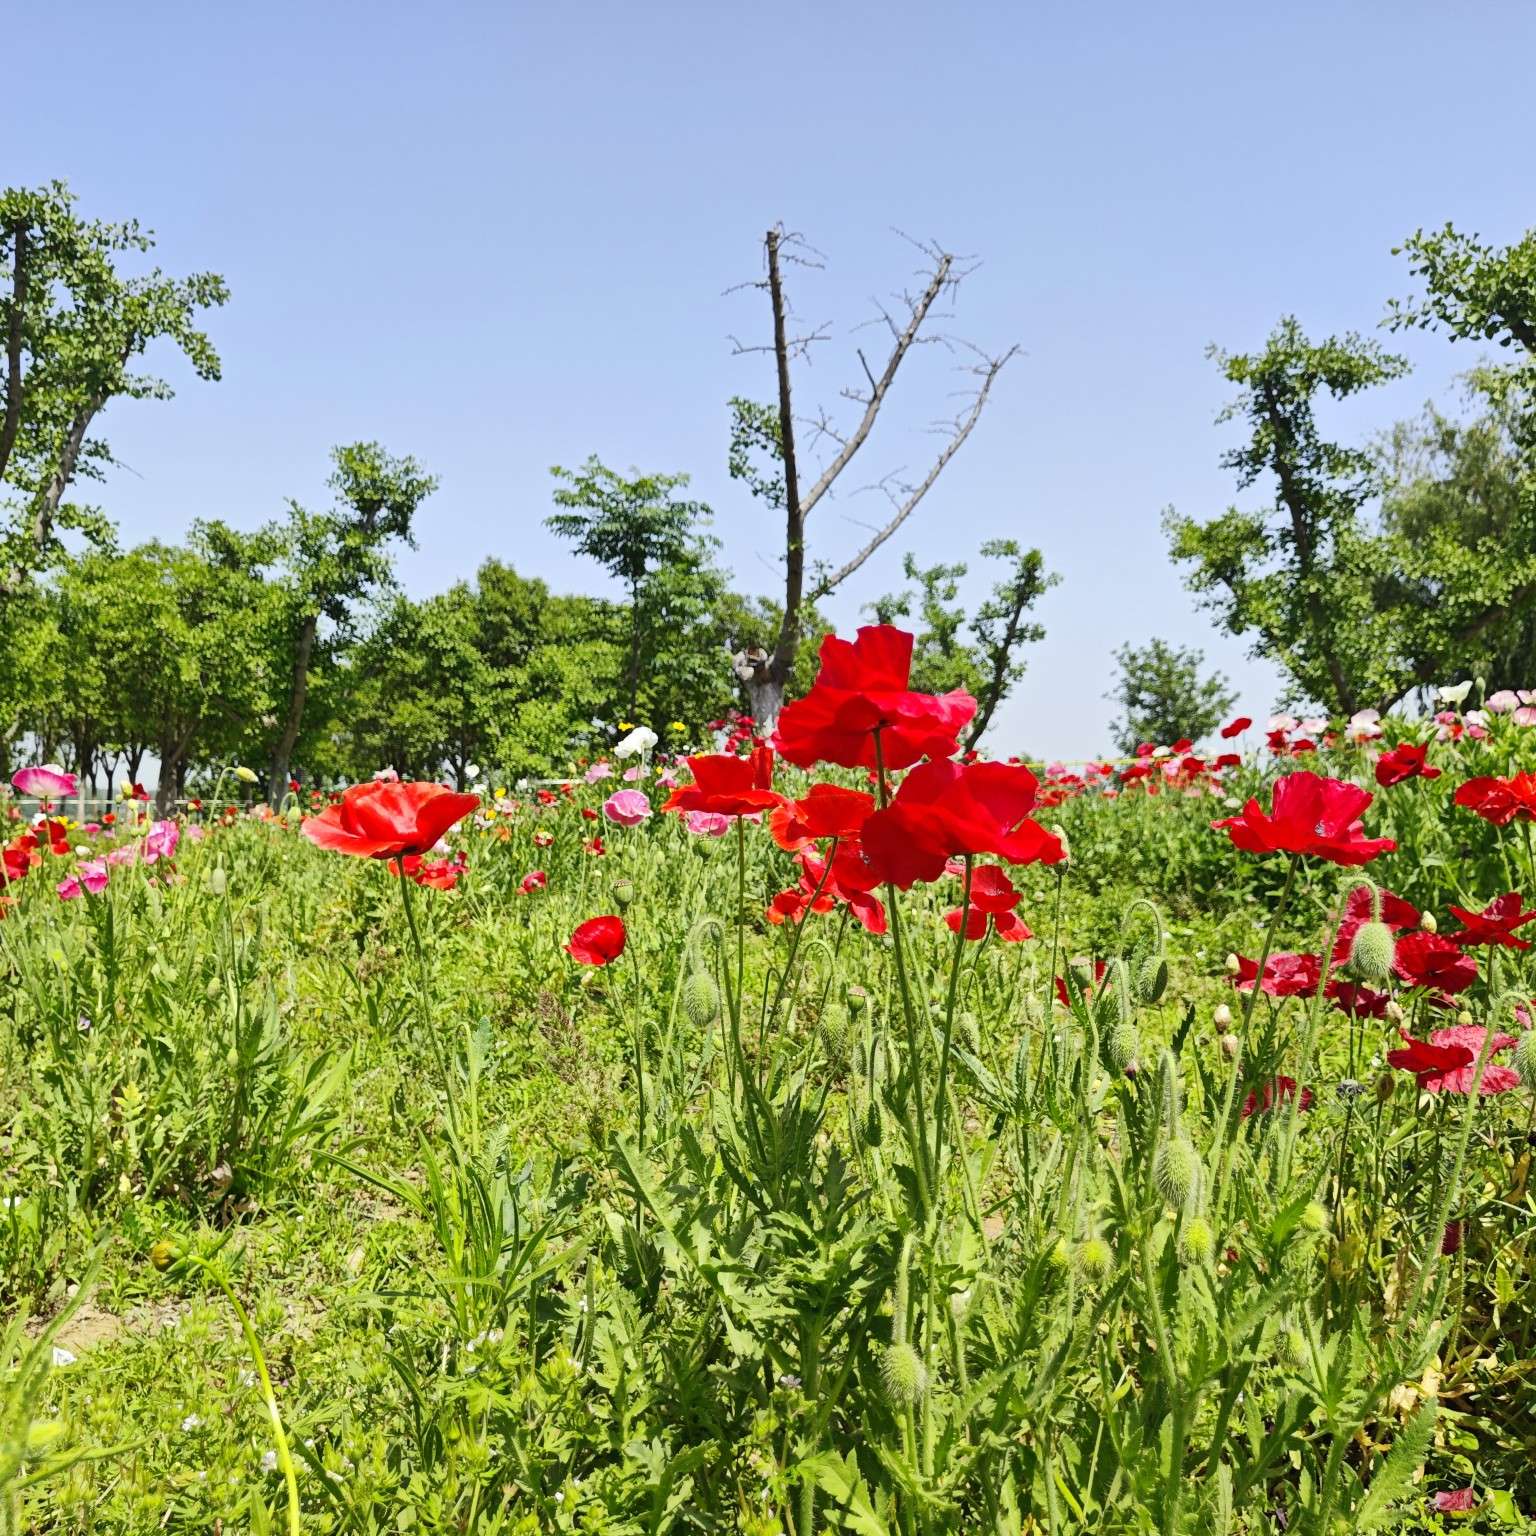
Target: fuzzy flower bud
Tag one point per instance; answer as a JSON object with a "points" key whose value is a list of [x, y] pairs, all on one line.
{"points": [[1231, 1047], [1428, 923], [1371, 955], [165, 1253], [700, 1000], [1196, 1243], [1152, 979], [1176, 1171], [1234, 966], [245, 775], [1525, 1059], [903, 1375], [1314, 1219], [1095, 1258], [1222, 1017]]}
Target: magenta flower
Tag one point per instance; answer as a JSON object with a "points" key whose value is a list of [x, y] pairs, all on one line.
{"points": [[91, 876], [627, 807], [45, 780], [707, 823]]}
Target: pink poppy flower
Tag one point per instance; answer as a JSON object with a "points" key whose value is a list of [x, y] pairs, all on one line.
{"points": [[598, 772], [91, 876], [627, 807], [45, 780], [160, 841], [128, 853], [386, 776], [707, 823], [634, 775]]}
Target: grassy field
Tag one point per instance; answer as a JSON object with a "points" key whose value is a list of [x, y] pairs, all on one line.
{"points": [[755, 1228]]}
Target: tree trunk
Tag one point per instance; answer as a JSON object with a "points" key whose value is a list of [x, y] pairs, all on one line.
{"points": [[282, 754]]}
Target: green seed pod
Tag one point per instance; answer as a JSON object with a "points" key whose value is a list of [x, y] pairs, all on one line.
{"points": [[1095, 1259], [1371, 955], [903, 1375], [700, 1000], [1196, 1242], [858, 1000], [1314, 1219], [1525, 1059], [623, 892], [1152, 979], [1176, 1171]]}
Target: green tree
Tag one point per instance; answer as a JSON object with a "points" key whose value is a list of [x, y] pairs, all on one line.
{"points": [[334, 562], [1302, 577], [1165, 696], [636, 529], [989, 663], [72, 328]]}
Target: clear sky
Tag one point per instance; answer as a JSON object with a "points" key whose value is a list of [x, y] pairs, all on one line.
{"points": [[500, 237]]}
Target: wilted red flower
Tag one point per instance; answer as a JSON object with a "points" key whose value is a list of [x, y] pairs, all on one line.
{"points": [[942, 809], [1453, 1500], [598, 941], [860, 689], [1396, 913], [1495, 924], [1404, 761], [384, 821], [1500, 801], [1447, 1062], [727, 785], [1276, 1091], [1088, 987], [1312, 815], [534, 880], [1431, 960], [1450, 1239], [1285, 975], [827, 810], [543, 839], [1008, 926]]}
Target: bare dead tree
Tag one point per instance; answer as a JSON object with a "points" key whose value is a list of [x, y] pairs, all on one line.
{"points": [[910, 322]]}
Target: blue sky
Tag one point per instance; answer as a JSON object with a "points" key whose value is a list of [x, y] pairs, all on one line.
{"points": [[500, 237]]}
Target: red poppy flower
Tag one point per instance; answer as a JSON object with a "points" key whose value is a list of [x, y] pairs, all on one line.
{"points": [[1182, 745], [543, 839], [1432, 960], [1311, 815], [860, 689], [1276, 1091], [1229, 760], [595, 847], [1284, 975], [1235, 727], [1447, 1062], [534, 880], [435, 874], [1358, 1002], [588, 814], [819, 890], [1088, 987], [1495, 924], [1396, 913], [1008, 926], [1500, 801], [992, 890], [383, 821], [1404, 761], [727, 785], [944, 809], [598, 941], [827, 810]]}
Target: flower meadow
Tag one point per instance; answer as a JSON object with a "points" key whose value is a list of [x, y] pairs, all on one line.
{"points": [[834, 1132]]}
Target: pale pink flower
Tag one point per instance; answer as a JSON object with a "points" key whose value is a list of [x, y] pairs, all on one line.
{"points": [[1314, 725], [91, 828], [666, 779], [45, 780], [386, 776], [1476, 722], [1281, 723], [126, 853], [634, 775], [1364, 725], [627, 807], [160, 841], [1504, 702], [598, 772], [708, 823], [196, 832]]}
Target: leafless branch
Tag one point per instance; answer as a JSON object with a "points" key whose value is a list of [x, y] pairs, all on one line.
{"points": [[907, 502]]}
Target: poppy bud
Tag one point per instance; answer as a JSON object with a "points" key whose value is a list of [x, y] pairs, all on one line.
{"points": [[1058, 1255], [1314, 1219], [165, 1253], [218, 880], [1120, 1047], [1222, 1017], [1394, 1011], [1370, 956], [1293, 1344], [1231, 1047], [1196, 1244], [245, 775], [968, 1032], [1428, 923], [1234, 966], [1525, 1059], [874, 1125], [1059, 833], [1152, 979], [1464, 1019], [1386, 1086], [836, 1036], [700, 1000], [1176, 1171], [1095, 1258], [623, 892], [903, 1375]]}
